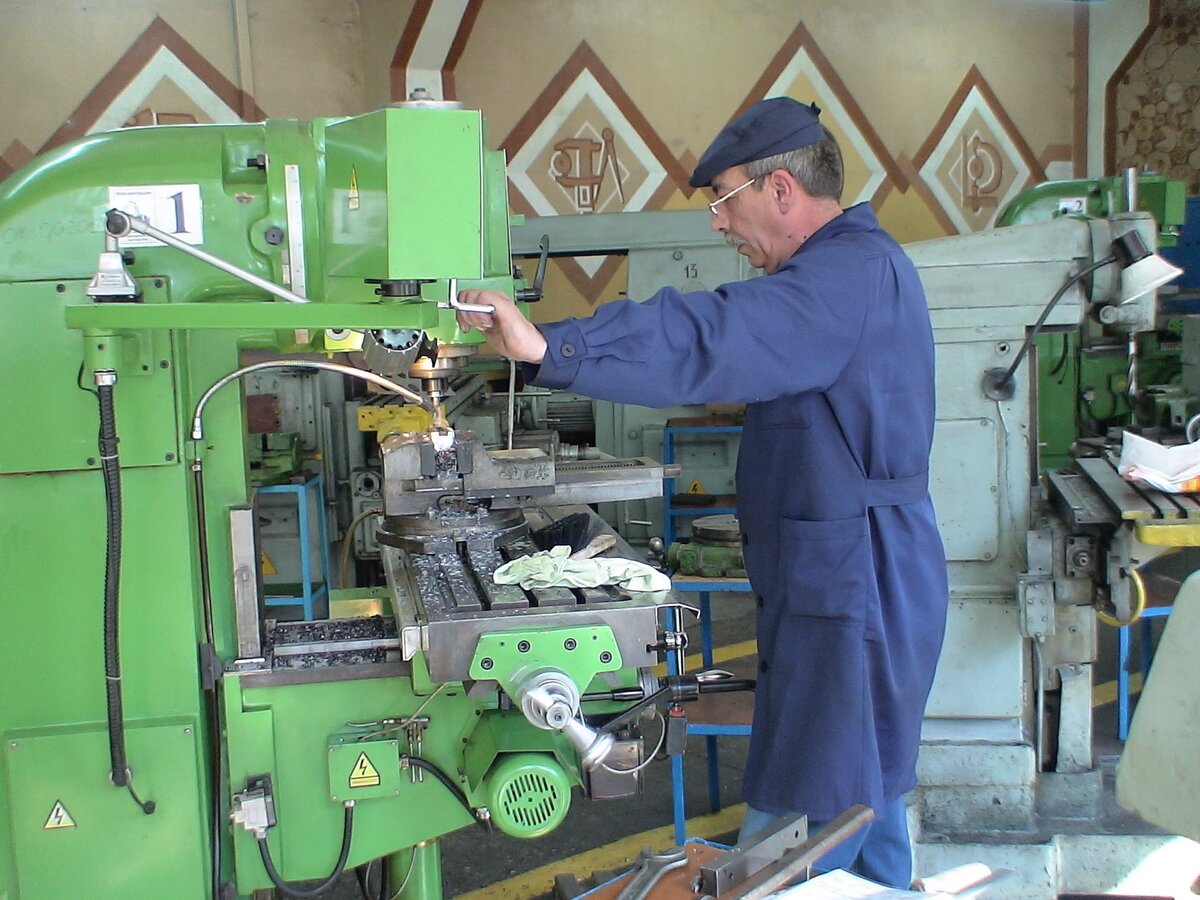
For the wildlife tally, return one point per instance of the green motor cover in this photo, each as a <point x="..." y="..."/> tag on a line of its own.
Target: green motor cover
<point x="528" y="793"/>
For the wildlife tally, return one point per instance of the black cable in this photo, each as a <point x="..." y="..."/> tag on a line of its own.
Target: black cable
<point x="1062" y="358"/>
<point x="110" y="466"/>
<point x="442" y="777"/>
<point x="363" y="873"/>
<point x="288" y="890"/>
<point x="1037" y="326"/>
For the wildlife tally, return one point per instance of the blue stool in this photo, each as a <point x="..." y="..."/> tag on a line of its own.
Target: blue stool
<point x="1123" y="648"/>
<point x="310" y="592"/>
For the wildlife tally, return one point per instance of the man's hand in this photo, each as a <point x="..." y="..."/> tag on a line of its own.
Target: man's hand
<point x="507" y="331"/>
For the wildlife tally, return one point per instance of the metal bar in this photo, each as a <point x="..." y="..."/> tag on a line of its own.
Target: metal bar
<point x="143" y="227"/>
<point x="247" y="591"/>
<point x="250" y="315"/>
<point x="768" y="880"/>
<point x="336" y="646"/>
<point x="1120" y="493"/>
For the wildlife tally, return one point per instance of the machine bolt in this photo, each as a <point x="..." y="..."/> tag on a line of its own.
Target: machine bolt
<point x="486" y="663"/>
<point x="274" y="235"/>
<point x="163" y="364"/>
<point x="606" y="657"/>
<point x="677" y="255"/>
<point x="158" y="282"/>
<point x="1002" y="347"/>
<point x="187" y="731"/>
<point x="61" y="288"/>
<point x="523" y="647"/>
<point x="1082" y="559"/>
<point x="170" y="457"/>
<point x="569" y="644"/>
<point x="91" y="460"/>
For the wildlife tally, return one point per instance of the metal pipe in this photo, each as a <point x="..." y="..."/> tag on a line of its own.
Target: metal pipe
<point x="385" y="383"/>
<point x="1129" y="183"/>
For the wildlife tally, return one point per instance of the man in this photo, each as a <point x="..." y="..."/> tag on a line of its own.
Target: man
<point x="832" y="351"/>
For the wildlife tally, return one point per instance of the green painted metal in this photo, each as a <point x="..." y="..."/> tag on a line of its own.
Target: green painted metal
<point x="529" y="795"/>
<point x="404" y="195"/>
<point x="1162" y="197"/>
<point x="581" y="653"/>
<point x="74" y="836"/>
<point x="189" y="330"/>
<point x="361" y="768"/>
<point x="47" y="405"/>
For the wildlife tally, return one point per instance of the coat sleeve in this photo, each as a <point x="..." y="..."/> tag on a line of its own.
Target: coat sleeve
<point x="771" y="336"/>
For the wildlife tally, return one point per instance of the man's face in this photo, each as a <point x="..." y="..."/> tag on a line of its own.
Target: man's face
<point x="741" y="211"/>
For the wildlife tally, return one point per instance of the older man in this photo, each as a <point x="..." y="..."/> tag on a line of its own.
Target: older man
<point x="832" y="351"/>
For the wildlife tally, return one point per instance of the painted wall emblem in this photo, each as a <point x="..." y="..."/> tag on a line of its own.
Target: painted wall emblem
<point x="975" y="161"/>
<point x="581" y="166"/>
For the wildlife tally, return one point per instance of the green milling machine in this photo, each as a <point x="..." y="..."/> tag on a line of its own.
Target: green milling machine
<point x="162" y="736"/>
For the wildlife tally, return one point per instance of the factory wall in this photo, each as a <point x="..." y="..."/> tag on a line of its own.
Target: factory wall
<point x="945" y="108"/>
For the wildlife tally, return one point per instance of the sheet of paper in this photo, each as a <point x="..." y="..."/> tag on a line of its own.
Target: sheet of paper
<point x="842" y="885"/>
<point x="1172" y="469"/>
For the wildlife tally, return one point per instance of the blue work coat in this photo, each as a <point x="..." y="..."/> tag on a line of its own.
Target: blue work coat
<point x="833" y="355"/>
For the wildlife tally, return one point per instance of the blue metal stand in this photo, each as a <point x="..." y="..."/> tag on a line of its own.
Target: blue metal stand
<point x="668" y="456"/>
<point x="704" y="588"/>
<point x="310" y="591"/>
<point x="1147" y="656"/>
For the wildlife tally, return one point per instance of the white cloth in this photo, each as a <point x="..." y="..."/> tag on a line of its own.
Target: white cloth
<point x="555" y="568"/>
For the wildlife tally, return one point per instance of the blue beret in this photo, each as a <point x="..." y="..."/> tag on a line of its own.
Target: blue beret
<point x="768" y="127"/>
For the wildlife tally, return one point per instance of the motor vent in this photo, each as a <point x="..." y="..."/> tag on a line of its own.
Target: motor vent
<point x="529" y="794"/>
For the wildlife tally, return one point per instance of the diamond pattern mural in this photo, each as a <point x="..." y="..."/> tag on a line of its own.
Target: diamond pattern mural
<point x="975" y="161"/>
<point x="583" y="148"/>
<point x="800" y="70"/>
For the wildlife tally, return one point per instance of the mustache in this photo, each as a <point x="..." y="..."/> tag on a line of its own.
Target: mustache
<point x="734" y="240"/>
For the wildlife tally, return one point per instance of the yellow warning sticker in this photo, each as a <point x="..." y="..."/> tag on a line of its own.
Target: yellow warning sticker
<point x="268" y="567"/>
<point x="363" y="774"/>
<point x="58" y="818"/>
<point x="352" y="197"/>
<point x="696" y="487"/>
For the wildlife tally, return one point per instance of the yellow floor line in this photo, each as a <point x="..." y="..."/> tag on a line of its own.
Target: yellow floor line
<point x="617" y="855"/>
<point x="693" y="661"/>
<point x="1106" y="692"/>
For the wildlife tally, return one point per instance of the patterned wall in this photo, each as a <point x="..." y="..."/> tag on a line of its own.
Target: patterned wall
<point x="592" y="123"/>
<point x="1154" y="97"/>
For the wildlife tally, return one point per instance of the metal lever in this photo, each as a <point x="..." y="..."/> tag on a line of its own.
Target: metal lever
<point x="650" y="869"/>
<point x="467" y="307"/>
<point x="534" y="291"/>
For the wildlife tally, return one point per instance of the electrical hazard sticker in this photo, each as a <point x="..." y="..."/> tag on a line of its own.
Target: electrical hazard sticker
<point x="352" y="196"/>
<point x="696" y="487"/>
<point x="364" y="774"/>
<point x="58" y="818"/>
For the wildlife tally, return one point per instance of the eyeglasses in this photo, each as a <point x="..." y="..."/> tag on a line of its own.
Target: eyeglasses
<point x="712" y="207"/>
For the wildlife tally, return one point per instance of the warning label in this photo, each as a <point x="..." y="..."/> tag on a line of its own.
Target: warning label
<point x="58" y="818"/>
<point x="697" y="487"/>
<point x="363" y="774"/>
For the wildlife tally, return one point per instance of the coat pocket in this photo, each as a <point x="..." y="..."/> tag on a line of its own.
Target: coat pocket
<point x="826" y="568"/>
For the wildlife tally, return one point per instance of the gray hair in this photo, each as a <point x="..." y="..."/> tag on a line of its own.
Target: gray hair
<point x="817" y="168"/>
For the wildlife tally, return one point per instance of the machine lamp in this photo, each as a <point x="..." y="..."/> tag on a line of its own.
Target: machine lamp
<point x="1142" y="271"/>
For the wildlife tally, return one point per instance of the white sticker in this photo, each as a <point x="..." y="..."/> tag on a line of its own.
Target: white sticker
<point x="173" y="208"/>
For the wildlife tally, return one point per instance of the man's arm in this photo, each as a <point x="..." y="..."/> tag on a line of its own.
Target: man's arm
<point x="507" y="331"/>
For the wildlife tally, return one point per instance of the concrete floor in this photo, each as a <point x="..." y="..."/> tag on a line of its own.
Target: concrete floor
<point x="607" y="835"/>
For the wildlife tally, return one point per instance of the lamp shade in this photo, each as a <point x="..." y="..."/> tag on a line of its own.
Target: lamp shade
<point x="1144" y="275"/>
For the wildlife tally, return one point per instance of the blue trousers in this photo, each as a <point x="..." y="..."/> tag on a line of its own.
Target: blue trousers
<point x="881" y="851"/>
